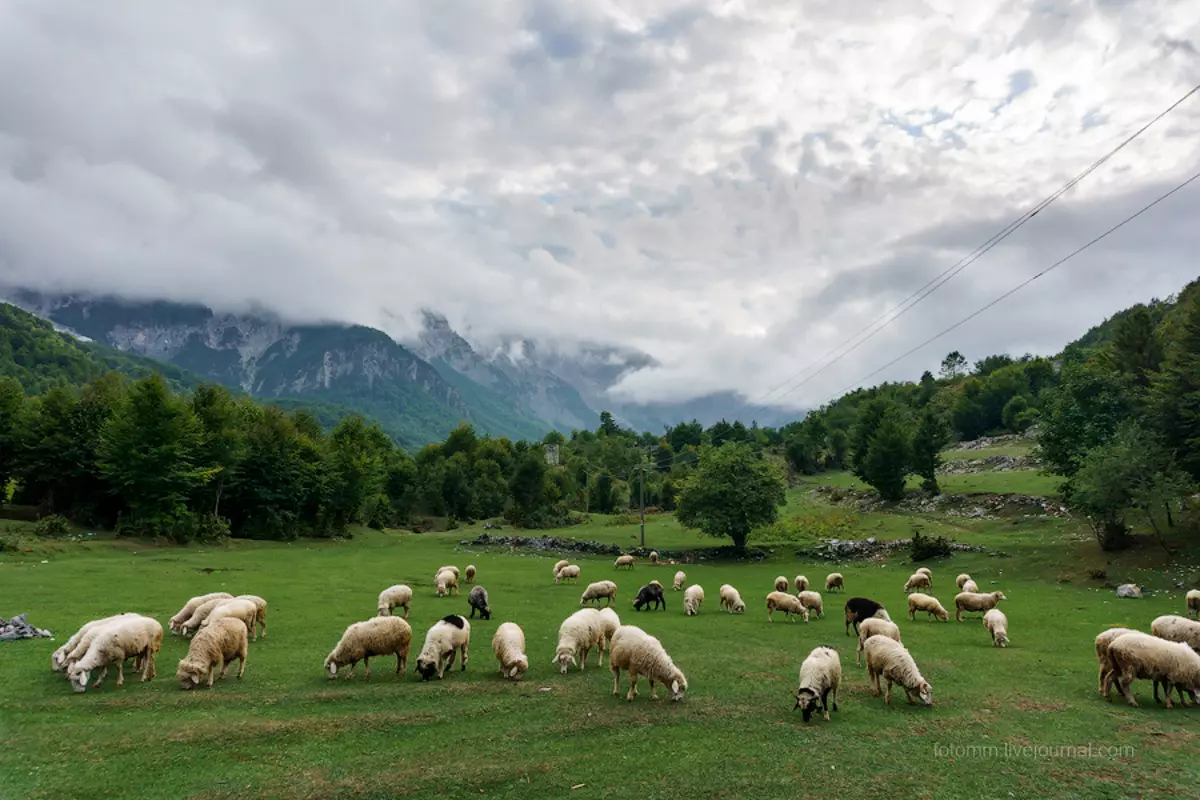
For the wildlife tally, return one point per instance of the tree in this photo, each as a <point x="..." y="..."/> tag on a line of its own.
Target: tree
<point x="732" y="492"/>
<point x="928" y="388"/>
<point x="886" y="464"/>
<point x="528" y="489"/>
<point x="930" y="438"/>
<point x="489" y="491"/>
<point x="608" y="425"/>
<point x="870" y="416"/>
<point x="1018" y="415"/>
<point x="953" y="365"/>
<point x="1082" y="412"/>
<point x="221" y="444"/>
<point x="986" y="366"/>
<point x="12" y="402"/>
<point x="1176" y="390"/>
<point x="1135" y="348"/>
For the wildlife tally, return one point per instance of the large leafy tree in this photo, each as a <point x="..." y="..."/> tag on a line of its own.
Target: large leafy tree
<point x="222" y="444"/>
<point x="953" y="365"/>
<point x="870" y="417"/>
<point x="931" y="436"/>
<point x="733" y="491"/>
<point x="1176" y="390"/>
<point x="1081" y="413"/>
<point x="886" y="464"/>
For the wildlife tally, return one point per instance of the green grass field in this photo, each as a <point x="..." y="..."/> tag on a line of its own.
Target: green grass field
<point x="285" y="730"/>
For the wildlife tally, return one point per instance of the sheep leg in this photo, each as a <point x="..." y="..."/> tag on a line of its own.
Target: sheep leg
<point x="224" y="668"/>
<point x="958" y="615"/>
<point x="616" y="673"/>
<point x="400" y="663"/>
<point x="405" y="613"/>
<point x="887" y="697"/>
<point x="633" y="679"/>
<point x="583" y="661"/>
<point x="653" y="690"/>
<point x="242" y="661"/>
<point x="211" y="674"/>
<point x="600" y="652"/>
<point x="464" y="658"/>
<point x="120" y="673"/>
<point x="1125" y="685"/>
<point x="103" y="674"/>
<point x="874" y="681"/>
<point x="367" y="664"/>
<point x="353" y="666"/>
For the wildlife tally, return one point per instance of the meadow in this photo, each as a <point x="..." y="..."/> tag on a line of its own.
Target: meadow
<point x="286" y="730"/>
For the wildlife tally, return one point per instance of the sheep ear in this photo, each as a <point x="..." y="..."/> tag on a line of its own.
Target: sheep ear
<point x="512" y="673"/>
<point x="196" y="679"/>
<point x="554" y="660"/>
<point x="675" y="686"/>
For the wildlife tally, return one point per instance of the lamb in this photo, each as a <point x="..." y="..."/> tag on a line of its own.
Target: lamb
<point x="1175" y="628"/>
<point x="508" y="645"/>
<point x="650" y="594"/>
<point x="569" y="572"/>
<point x="833" y="581"/>
<point x="812" y="602"/>
<point x="448" y="636"/>
<point x="243" y="610"/>
<point x="639" y="653"/>
<point x="971" y="601"/>
<point x="918" y="580"/>
<point x="787" y="603"/>
<point x="60" y="659"/>
<point x="115" y="642"/>
<point x="398" y="596"/>
<point x="801" y="583"/>
<point x="781" y="584"/>
<point x="478" y="601"/>
<point x="873" y="626"/>
<point x="997" y="624"/>
<point x="1103" y="640"/>
<point x="820" y="674"/>
<point x="891" y="660"/>
<point x="1172" y="663"/>
<point x="218" y="644"/>
<point x="191" y="605"/>
<point x="925" y="602"/>
<point x="692" y="599"/>
<point x="609" y="624"/>
<point x="623" y="561"/>
<point x="470" y="573"/>
<point x="378" y="636"/>
<point x="961" y="579"/>
<point x="594" y="591"/>
<point x="861" y="608"/>
<point x="559" y="565"/>
<point x="577" y="635"/>
<point x="261" y="617"/>
<point x="446" y="582"/>
<point x="1193" y="602"/>
<point x="731" y="599"/>
<point x="654" y="557"/>
<point x="970" y="586"/>
<point x="192" y="624"/>
<point x="680" y="578"/>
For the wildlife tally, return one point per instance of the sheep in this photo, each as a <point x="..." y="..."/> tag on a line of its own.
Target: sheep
<point x="680" y="578"/>
<point x="654" y="582"/>
<point x="731" y="599"/>
<point x="192" y="624"/>
<point x="918" y="580"/>
<point x="446" y="582"/>
<point x="1103" y="640"/>
<point x="243" y="610"/>
<point x="1175" y="628"/>
<point x="961" y="579"/>
<point x="860" y="608"/>
<point x="997" y="625"/>
<point x="609" y="624"/>
<point x="192" y="605"/>
<point x="261" y="617"/>
<point x="834" y="580"/>
<point x="801" y="583"/>
<point x="508" y="645"/>
<point x="649" y="595"/>
<point x="787" y="603"/>
<point x="970" y="586"/>
<point x="639" y="653"/>
<point x="398" y="596"/>
<point x="891" y="660"/>
<point x="446" y="568"/>
<point x="927" y="572"/>
<point x="569" y="572"/>
<point x="971" y="601"/>
<point x="61" y="659"/>
<point x="378" y="636"/>
<point x="448" y="636"/>
<point x="218" y="644"/>
<point x="562" y="562"/>
<point x="1193" y="602"/>
<point x="469" y="573"/>
<point x="115" y="642"/>
<point x="1173" y="664"/>
<point x="873" y="626"/>
<point x="781" y="584"/>
<point x="577" y="635"/>
<point x="812" y="602"/>
<point x="692" y="599"/>
<point x="820" y="674"/>
<point x="594" y="591"/>
<point x="654" y="558"/>
<point x="623" y="561"/>
<point x="925" y="602"/>
<point x="478" y="601"/>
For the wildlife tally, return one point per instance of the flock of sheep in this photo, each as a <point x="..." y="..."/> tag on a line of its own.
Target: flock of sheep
<point x="221" y="625"/>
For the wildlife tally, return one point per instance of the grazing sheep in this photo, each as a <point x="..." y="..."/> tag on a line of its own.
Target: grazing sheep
<point x="787" y="603"/>
<point x="731" y="599"/>
<point x="925" y="602"/>
<point x="446" y="582"/>
<point x="970" y="586"/>
<point x="972" y="601"/>
<point x="680" y="578"/>
<point x="892" y="661"/>
<point x="378" y="636"/>
<point x="1102" y="642"/>
<point x="243" y="610"/>
<point x="650" y="594"/>
<point x="559" y="565"/>
<point x="577" y="635"/>
<point x="1193" y="602"/>
<point x="692" y="599"/>
<point x="398" y="596"/>
<point x="961" y="579"/>
<point x="623" y="561"/>
<point x="873" y="626"/>
<point x="639" y="653"/>
<point x="654" y="582"/>
<point x="801" y="583"/>
<point x="567" y="573"/>
<point x="1173" y="664"/>
<point x="594" y="591"/>
<point x="115" y="642"/>
<point x="654" y="557"/>
<point x="860" y="608"/>
<point x="781" y="584"/>
<point x="201" y="612"/>
<point x="820" y="674"/>
<point x="217" y="645"/>
<point x="469" y="573"/>
<point x="449" y="636"/>
<point x="812" y="601"/>
<point x="609" y="623"/>
<point x="997" y="625"/>
<point x="918" y="580"/>
<point x="261" y="617"/>
<point x="477" y="599"/>
<point x="192" y="605"/>
<point x="834" y="580"/>
<point x="508" y="645"/>
<point x="1175" y="628"/>
<point x="61" y="659"/>
<point x="927" y="572"/>
<point x="447" y="568"/>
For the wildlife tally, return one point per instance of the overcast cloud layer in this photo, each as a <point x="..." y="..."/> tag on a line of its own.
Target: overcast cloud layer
<point x="733" y="187"/>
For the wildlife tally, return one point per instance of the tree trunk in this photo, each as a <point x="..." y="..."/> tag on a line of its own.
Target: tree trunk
<point x="739" y="541"/>
<point x="1112" y="535"/>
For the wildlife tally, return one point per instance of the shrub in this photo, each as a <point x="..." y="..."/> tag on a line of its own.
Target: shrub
<point x="624" y="519"/>
<point x="925" y="547"/>
<point x="54" y="526"/>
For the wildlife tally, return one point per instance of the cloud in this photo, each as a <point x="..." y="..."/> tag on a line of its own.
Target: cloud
<point x="734" y="189"/>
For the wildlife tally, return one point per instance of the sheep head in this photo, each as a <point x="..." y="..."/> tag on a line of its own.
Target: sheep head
<point x="428" y="669"/>
<point x="79" y="679"/>
<point x="808" y="702"/>
<point x="678" y="687"/>
<point x="565" y="659"/>
<point x="925" y="692"/>
<point x="331" y="666"/>
<point x="188" y="674"/>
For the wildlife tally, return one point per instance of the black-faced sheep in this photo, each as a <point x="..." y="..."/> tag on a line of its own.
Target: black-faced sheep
<point x="378" y="636"/>
<point x="973" y="601"/>
<point x="649" y="595"/>
<point x="820" y="675"/>
<point x="508" y="645"/>
<point x="891" y="661"/>
<point x="834" y="580"/>
<point x="639" y="653"/>
<point x="216" y="645"/>
<point x="860" y="608"/>
<point x="449" y="636"/>
<point x="477" y="599"/>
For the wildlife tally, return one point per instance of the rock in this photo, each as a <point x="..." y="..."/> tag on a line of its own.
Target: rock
<point x="18" y="628"/>
<point x="1129" y="590"/>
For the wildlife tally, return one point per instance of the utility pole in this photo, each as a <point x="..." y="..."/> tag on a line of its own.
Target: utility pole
<point x="643" y="493"/>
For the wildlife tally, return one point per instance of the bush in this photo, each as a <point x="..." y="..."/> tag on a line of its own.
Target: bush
<point x="624" y="519"/>
<point x="925" y="547"/>
<point x="54" y="526"/>
<point x="378" y="513"/>
<point x="184" y="529"/>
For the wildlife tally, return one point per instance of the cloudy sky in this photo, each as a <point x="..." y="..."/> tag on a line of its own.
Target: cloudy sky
<point x="735" y="188"/>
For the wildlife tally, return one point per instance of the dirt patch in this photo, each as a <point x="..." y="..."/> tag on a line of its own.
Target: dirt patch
<point x="1033" y="705"/>
<point x="308" y="726"/>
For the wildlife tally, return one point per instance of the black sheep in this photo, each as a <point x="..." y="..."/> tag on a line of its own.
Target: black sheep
<point x="858" y="609"/>
<point x="648" y="594"/>
<point x="478" y="600"/>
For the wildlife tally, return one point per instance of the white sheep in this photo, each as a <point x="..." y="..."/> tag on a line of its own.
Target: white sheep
<point x="834" y="580"/>
<point x="191" y="605"/>
<point x="874" y="626"/>
<point x="61" y="658"/>
<point x="918" y="601"/>
<point x="243" y="610"/>
<point x="654" y="557"/>
<point x="970" y="586"/>
<point x="1175" y="628"/>
<point x="577" y="635"/>
<point x="692" y="599"/>
<point x="918" y="580"/>
<point x="781" y="584"/>
<point x="446" y="582"/>
<point x="731" y="599"/>
<point x="623" y="561"/>
<point x="567" y="573"/>
<point x="801" y="583"/>
<point x="117" y="641"/>
<point x="997" y="625"/>
<point x="787" y="603"/>
<point x="449" y="636"/>
<point x="469" y="573"/>
<point x="892" y="661"/>
<point x="261" y="617"/>
<point x="639" y="653"/>
<point x="378" y="636"/>
<point x="508" y="645"/>
<point x="446" y="568"/>
<point x="609" y="624"/>
<point x="594" y="591"/>
<point x="972" y="601"/>
<point x="1103" y="640"/>
<point x="201" y="612"/>
<point x="812" y="601"/>
<point x="1173" y="664"/>
<point x="1193" y="602"/>
<point x="680" y="579"/>
<point x="961" y="579"/>
<point x="217" y="645"/>
<point x="562" y="562"/>
<point x="820" y="675"/>
<point x="398" y="596"/>
<point x="925" y="571"/>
